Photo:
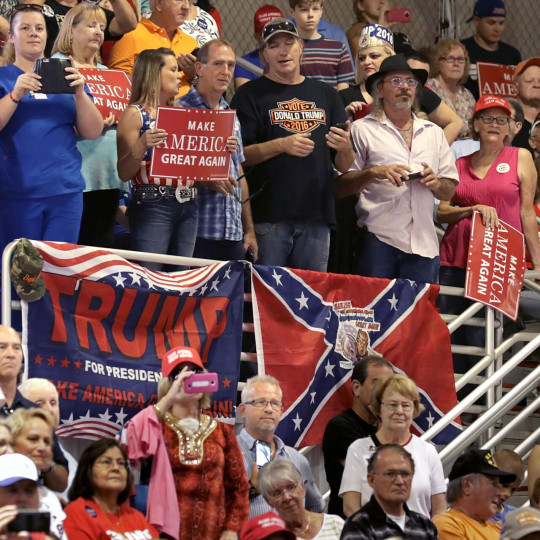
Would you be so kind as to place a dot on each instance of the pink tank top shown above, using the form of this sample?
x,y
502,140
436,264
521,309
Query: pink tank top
x,y
499,188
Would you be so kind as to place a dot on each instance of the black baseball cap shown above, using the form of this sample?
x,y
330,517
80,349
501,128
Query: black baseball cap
x,y
279,26
479,462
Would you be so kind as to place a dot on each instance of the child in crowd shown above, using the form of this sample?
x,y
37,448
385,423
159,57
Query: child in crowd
x,y
324,59
508,460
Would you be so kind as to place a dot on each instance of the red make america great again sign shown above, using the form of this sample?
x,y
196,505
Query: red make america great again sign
x,y
495,266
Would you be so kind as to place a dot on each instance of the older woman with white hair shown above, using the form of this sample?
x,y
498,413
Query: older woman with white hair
x,y
282,485
395,402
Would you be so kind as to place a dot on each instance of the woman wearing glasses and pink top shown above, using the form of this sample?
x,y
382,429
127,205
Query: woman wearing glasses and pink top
x,y
198,485
449,70
99,507
395,401
40,165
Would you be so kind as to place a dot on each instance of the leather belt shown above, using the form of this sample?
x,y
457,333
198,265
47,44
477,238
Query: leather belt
x,y
180,193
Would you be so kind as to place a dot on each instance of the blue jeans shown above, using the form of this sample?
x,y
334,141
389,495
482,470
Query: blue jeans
x,y
379,259
54,219
294,243
159,224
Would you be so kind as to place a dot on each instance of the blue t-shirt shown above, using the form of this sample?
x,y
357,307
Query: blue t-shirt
x,y
38,152
244,73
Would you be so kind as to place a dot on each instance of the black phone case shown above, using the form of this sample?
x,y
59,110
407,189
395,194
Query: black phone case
x,y
53,75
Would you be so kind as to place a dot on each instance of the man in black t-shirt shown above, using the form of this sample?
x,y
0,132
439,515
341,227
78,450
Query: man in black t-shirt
x,y
485,45
289,131
354,423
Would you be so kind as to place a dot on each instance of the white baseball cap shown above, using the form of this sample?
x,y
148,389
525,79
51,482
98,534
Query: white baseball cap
x,y
16,467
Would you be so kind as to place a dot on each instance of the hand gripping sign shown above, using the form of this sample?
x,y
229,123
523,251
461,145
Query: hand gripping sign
x,y
495,266
195,148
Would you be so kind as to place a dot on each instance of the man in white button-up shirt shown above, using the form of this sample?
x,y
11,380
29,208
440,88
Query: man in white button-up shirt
x,y
402,163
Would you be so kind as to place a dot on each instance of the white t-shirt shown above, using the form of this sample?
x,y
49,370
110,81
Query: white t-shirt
x,y
428,478
331,528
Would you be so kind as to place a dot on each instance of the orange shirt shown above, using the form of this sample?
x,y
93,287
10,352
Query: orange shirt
x,y
148,35
454,525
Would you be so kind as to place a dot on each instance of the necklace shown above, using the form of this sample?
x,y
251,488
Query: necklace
x,y
308,523
108,514
405,129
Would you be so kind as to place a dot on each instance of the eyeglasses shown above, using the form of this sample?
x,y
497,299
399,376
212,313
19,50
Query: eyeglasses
x,y
392,475
282,26
397,82
406,406
26,7
279,493
452,59
108,463
261,403
501,120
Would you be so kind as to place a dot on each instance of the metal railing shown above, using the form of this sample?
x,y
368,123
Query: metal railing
x,y
490,360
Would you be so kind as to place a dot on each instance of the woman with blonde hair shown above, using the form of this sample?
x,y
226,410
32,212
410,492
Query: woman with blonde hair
x,y
449,70
395,402
80,38
163,213
32,436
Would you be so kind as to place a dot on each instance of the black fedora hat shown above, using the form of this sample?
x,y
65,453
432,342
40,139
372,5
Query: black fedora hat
x,y
397,62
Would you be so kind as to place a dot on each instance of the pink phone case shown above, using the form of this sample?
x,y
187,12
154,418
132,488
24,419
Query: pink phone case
x,y
201,382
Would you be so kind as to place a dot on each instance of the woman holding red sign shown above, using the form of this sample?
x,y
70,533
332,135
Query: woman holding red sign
x,y
81,36
163,212
498,181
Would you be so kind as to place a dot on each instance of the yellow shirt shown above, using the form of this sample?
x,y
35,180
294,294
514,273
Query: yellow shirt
x,y
454,525
148,35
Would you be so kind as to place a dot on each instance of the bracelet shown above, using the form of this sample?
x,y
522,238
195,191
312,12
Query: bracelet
x,y
13,99
52,467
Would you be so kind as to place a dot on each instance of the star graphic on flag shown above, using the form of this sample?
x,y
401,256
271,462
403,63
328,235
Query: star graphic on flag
x,y
120,416
105,416
226,383
38,359
277,277
312,394
215,283
51,361
78,364
393,302
203,289
302,300
297,423
135,279
430,419
65,363
68,420
119,280
411,282
329,369
227,274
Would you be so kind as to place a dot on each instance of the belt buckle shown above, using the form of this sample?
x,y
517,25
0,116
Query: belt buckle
x,y
183,194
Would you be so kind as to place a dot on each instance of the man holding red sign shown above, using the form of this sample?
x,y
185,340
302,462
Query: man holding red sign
x,y
222,219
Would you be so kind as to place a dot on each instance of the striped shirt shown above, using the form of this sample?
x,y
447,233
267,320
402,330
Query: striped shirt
x,y
220,218
257,505
327,60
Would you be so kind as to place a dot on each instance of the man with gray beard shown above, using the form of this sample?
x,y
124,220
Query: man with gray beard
x,y
402,163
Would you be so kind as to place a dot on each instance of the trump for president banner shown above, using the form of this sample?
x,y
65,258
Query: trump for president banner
x,y
311,328
100,331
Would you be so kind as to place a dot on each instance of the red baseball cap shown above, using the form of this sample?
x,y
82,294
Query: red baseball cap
x,y
261,527
522,66
488,101
264,15
177,356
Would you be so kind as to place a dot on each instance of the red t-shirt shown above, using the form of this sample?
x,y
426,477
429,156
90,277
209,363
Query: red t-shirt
x,y
87,521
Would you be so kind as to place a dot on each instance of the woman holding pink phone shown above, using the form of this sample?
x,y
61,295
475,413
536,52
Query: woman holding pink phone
x,y
198,485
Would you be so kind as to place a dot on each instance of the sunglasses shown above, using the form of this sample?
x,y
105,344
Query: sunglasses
x,y
274,28
25,7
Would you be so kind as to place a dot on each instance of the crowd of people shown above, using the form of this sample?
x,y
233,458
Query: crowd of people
x,y
206,482
345,153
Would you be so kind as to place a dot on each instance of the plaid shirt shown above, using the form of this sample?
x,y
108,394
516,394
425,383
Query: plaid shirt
x,y
220,218
371,523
